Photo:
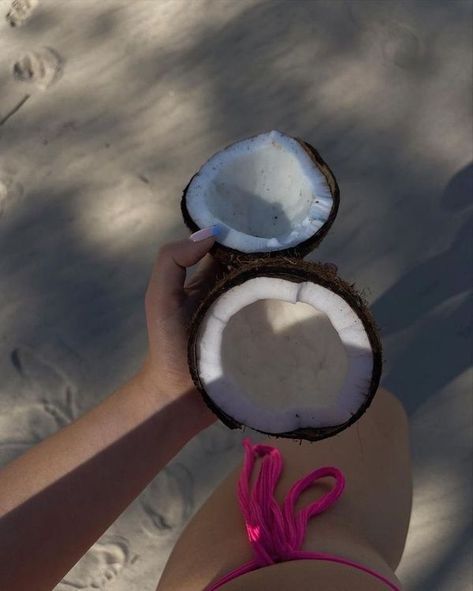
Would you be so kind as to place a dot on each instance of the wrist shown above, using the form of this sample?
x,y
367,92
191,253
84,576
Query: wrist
x,y
192,413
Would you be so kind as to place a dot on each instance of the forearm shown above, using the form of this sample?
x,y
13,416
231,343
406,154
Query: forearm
x,y
58,498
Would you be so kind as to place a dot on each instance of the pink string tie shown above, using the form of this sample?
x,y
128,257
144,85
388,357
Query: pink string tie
x,y
276,533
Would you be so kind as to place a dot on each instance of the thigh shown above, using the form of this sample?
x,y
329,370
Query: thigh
x,y
368,523
374,455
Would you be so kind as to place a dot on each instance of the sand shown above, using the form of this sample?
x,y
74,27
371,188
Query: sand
x,y
106,110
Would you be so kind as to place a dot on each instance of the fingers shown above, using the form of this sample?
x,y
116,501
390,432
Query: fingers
x,y
204,278
165,291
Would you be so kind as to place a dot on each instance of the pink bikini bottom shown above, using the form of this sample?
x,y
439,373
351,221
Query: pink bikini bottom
x,y
277,533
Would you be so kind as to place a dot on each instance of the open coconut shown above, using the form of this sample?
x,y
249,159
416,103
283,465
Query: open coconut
x,y
270,194
287,348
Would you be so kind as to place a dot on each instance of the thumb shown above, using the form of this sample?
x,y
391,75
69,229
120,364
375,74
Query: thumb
x,y
165,290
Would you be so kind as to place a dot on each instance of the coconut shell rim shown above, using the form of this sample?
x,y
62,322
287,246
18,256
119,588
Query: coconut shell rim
x,y
234,257
296,271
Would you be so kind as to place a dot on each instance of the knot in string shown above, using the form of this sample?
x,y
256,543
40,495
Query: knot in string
x,y
276,533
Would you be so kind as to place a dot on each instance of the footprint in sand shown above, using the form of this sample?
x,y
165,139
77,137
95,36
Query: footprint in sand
x,y
23,426
100,566
219,439
401,46
9,192
41,68
46,382
168,500
3,197
20,11
46,405
398,42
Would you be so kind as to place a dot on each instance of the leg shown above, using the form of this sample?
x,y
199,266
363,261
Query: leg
x,y
369,522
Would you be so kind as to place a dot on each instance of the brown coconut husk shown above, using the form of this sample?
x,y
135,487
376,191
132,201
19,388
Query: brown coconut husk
x,y
297,271
236,258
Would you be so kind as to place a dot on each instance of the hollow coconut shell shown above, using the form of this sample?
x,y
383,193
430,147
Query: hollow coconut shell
x,y
235,257
299,272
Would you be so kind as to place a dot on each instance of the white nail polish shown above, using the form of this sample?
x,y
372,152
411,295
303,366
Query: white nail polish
x,y
204,233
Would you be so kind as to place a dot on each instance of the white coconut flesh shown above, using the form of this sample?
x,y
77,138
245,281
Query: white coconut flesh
x,y
265,193
277,355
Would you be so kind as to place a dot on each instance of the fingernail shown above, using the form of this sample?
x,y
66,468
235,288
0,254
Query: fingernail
x,y
205,233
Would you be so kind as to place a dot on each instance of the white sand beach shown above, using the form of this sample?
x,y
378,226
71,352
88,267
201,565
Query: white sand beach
x,y
108,108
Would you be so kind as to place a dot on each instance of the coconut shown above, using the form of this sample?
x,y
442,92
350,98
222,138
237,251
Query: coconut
x,y
270,195
287,348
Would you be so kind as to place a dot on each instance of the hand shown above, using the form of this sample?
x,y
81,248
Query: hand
x,y
169,304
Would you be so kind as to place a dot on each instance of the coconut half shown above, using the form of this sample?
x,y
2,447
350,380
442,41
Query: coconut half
x,y
269,194
286,348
